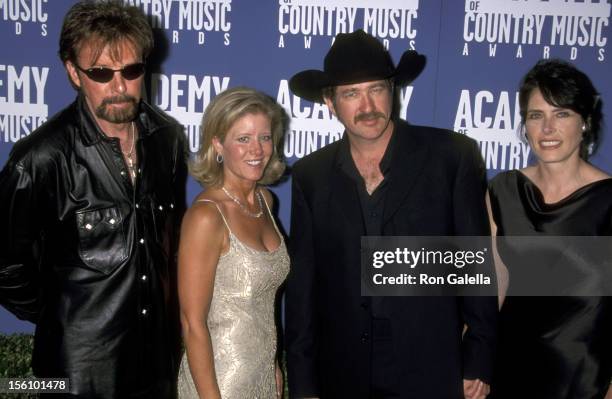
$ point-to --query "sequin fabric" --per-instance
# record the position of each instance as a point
(241, 322)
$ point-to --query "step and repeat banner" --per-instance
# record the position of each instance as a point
(477, 51)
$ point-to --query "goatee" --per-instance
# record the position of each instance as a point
(114, 115)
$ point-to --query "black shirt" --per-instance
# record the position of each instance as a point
(372, 205)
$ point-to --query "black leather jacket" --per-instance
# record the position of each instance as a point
(90, 258)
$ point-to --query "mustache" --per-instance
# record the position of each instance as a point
(369, 116)
(118, 100)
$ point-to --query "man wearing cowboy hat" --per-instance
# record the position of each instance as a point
(384, 178)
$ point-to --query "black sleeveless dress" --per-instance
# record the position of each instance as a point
(552, 347)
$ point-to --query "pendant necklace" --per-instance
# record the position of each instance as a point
(131, 163)
(243, 207)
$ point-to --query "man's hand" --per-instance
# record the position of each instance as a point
(609, 394)
(279, 381)
(475, 389)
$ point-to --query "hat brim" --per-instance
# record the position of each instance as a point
(409, 67)
(309, 84)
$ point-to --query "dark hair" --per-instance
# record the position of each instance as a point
(102, 23)
(563, 85)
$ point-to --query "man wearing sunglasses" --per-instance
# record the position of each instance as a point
(89, 212)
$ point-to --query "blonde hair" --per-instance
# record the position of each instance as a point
(220, 115)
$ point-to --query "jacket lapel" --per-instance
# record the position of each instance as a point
(409, 158)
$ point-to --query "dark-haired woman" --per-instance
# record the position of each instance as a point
(553, 347)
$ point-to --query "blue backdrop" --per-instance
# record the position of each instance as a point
(477, 51)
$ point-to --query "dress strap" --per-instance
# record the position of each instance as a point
(220, 213)
(271, 216)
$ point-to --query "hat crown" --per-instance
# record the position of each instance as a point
(357, 56)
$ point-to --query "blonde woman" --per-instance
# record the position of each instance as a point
(232, 257)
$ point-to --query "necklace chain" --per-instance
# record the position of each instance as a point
(243, 207)
(131, 164)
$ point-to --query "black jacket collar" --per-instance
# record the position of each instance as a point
(409, 155)
(148, 120)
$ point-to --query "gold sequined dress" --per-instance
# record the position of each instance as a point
(241, 321)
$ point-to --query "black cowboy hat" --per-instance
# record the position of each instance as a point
(354, 58)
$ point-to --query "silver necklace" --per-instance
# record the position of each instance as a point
(131, 163)
(243, 207)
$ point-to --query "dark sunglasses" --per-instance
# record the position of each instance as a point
(104, 74)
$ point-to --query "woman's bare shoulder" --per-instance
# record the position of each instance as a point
(204, 214)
